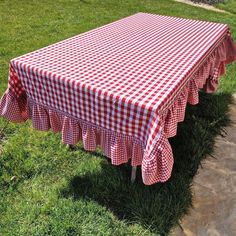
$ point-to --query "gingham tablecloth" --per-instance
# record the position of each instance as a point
(123, 86)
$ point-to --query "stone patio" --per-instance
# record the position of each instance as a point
(214, 189)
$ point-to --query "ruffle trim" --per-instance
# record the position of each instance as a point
(206, 78)
(118, 147)
(157, 166)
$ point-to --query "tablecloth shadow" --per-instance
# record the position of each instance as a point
(159, 206)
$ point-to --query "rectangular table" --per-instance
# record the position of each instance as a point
(123, 86)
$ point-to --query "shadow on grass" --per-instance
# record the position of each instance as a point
(158, 207)
(84, 1)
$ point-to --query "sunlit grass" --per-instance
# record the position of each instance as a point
(46, 189)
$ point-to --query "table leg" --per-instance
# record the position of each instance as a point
(133, 174)
(69, 146)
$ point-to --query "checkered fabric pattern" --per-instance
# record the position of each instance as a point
(121, 78)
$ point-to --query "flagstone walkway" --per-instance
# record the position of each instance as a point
(214, 189)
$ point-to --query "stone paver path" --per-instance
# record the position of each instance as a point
(214, 189)
(202, 5)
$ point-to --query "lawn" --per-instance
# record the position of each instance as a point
(228, 5)
(46, 189)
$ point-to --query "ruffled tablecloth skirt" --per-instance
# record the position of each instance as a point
(120, 148)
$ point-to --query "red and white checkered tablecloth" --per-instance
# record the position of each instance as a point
(123, 86)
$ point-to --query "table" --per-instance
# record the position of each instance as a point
(123, 86)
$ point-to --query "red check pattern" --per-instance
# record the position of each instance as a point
(124, 85)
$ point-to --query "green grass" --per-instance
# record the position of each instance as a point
(46, 189)
(228, 5)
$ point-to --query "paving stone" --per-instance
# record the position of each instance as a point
(231, 133)
(214, 191)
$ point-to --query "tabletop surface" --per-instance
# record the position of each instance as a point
(141, 59)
